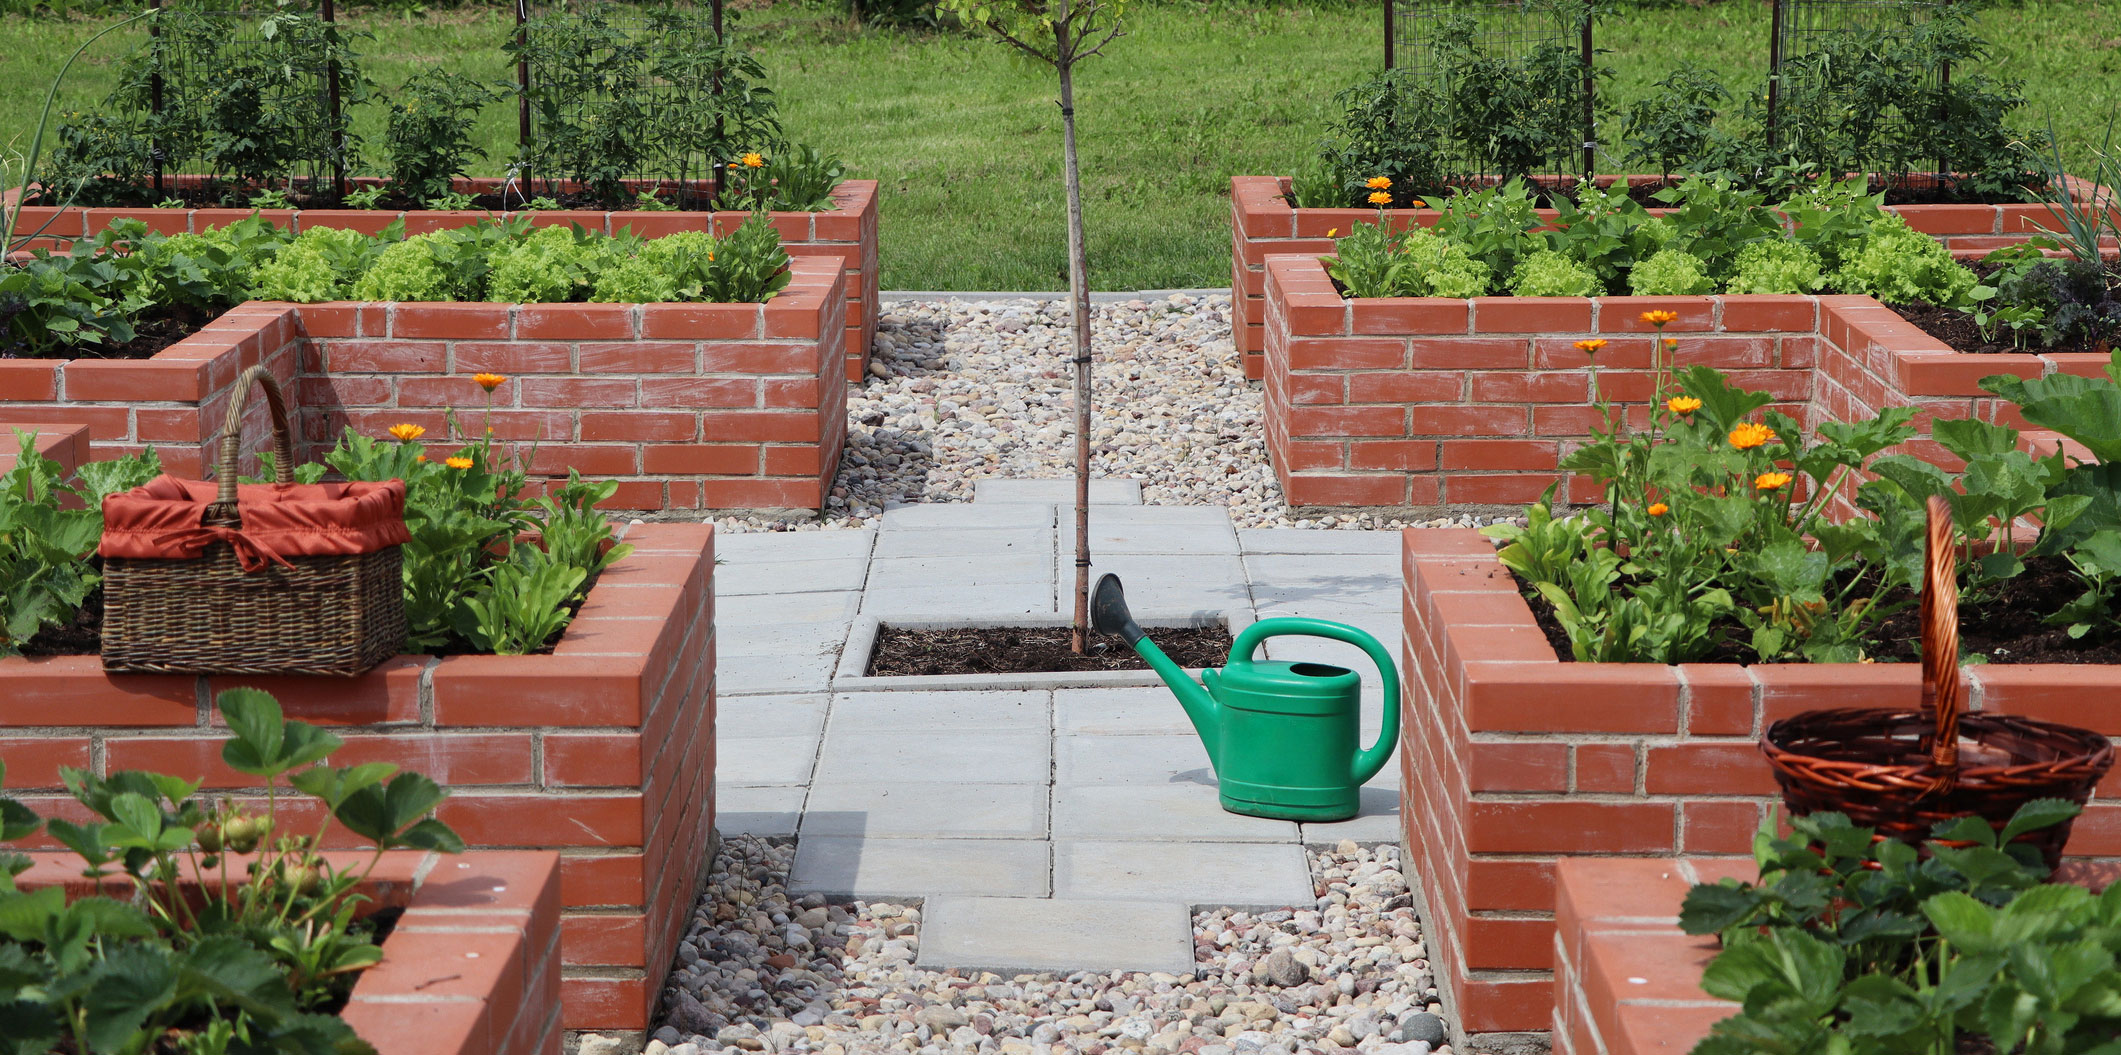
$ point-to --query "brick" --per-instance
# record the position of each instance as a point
(1506, 885)
(1718, 826)
(1395, 455)
(536, 820)
(1790, 688)
(33, 762)
(1469, 353)
(1605, 768)
(751, 357)
(579, 392)
(1396, 315)
(596, 1002)
(1517, 765)
(639, 426)
(387, 694)
(1754, 313)
(513, 357)
(761, 494)
(28, 380)
(508, 691)
(1310, 490)
(604, 940)
(386, 357)
(1570, 698)
(1702, 768)
(431, 1028)
(39, 691)
(702, 322)
(1512, 489)
(139, 380)
(575, 322)
(719, 459)
(1517, 386)
(1718, 699)
(1531, 314)
(456, 322)
(593, 760)
(1349, 353)
(706, 392)
(1624, 314)
(601, 880)
(640, 357)
(1472, 420)
(1529, 827)
(1491, 455)
(759, 426)
(1404, 387)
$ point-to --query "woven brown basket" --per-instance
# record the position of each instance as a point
(1901, 772)
(329, 615)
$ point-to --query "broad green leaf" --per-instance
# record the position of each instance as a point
(2039, 814)
(1970, 438)
(380, 812)
(1963, 921)
(255, 719)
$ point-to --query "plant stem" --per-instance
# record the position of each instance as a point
(1079, 295)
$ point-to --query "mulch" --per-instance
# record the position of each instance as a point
(1034, 650)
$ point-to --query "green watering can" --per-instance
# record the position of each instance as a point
(1282, 736)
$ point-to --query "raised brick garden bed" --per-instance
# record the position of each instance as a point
(847, 233)
(471, 968)
(602, 750)
(687, 405)
(64, 444)
(1627, 980)
(1516, 760)
(1409, 403)
(1264, 224)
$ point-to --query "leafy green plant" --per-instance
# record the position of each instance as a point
(1670, 272)
(523, 602)
(1550, 273)
(791, 177)
(449, 201)
(1776, 266)
(48, 530)
(427, 137)
(1854, 945)
(196, 956)
(369, 197)
(1672, 126)
(1900, 265)
(322, 263)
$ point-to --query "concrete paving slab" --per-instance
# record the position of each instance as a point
(1031, 936)
(755, 717)
(741, 576)
(782, 672)
(765, 760)
(1056, 492)
(790, 608)
(920, 868)
(969, 602)
(883, 712)
(963, 542)
(930, 810)
(959, 757)
(1377, 823)
(765, 638)
(1029, 565)
(922, 515)
(1119, 712)
(1235, 875)
(735, 547)
(769, 812)
(1311, 540)
(1131, 760)
(1338, 599)
(1164, 812)
(1157, 529)
(1166, 582)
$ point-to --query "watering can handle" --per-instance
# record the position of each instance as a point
(1372, 758)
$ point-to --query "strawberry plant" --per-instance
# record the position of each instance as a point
(45, 545)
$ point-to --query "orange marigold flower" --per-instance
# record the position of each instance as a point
(1682, 404)
(1771, 481)
(1671, 343)
(1378, 197)
(754, 160)
(489, 382)
(1658, 509)
(1331, 231)
(1749, 435)
(1660, 318)
(458, 463)
(407, 433)
(1378, 182)
(421, 458)
(1591, 347)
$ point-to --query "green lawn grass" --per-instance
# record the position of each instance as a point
(965, 138)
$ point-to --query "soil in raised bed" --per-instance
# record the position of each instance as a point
(1033, 650)
(157, 329)
(1957, 329)
(2005, 624)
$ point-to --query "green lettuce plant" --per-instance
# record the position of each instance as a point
(48, 530)
(1548, 273)
(1670, 272)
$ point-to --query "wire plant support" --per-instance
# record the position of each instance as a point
(1510, 83)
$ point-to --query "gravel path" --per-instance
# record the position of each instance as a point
(962, 391)
(759, 972)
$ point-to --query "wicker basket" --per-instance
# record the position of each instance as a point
(1901, 772)
(331, 615)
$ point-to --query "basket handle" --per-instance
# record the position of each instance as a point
(1941, 688)
(223, 509)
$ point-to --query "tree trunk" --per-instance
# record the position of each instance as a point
(1079, 295)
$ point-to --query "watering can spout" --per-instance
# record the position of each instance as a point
(1109, 615)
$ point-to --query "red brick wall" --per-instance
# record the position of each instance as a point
(1626, 978)
(687, 406)
(1263, 224)
(1515, 760)
(848, 232)
(65, 444)
(603, 750)
(472, 966)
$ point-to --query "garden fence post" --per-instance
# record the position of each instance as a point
(523, 87)
(1774, 66)
(154, 90)
(1391, 32)
(1590, 120)
(335, 126)
(716, 166)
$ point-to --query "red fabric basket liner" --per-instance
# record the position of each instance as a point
(165, 520)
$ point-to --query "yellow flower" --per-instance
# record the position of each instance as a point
(754, 160)
(1660, 318)
(1591, 347)
(1378, 182)
(421, 458)
(1378, 197)
(489, 382)
(407, 433)
(458, 463)
(1331, 231)
(1682, 404)
(1749, 435)
(1658, 509)
(1771, 481)
(1671, 343)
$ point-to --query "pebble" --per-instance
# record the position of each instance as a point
(962, 391)
(795, 976)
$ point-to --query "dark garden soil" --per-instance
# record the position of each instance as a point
(154, 331)
(1033, 650)
(2005, 624)
(1956, 328)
